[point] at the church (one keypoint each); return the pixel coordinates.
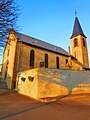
(23, 52)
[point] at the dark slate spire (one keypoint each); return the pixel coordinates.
(77, 29)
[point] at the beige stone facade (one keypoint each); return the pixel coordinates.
(80, 50)
(39, 69)
(39, 57)
(9, 59)
(79, 44)
(17, 59)
(50, 83)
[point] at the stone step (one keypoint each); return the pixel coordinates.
(3, 84)
(3, 88)
(5, 91)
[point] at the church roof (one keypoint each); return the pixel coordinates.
(41, 44)
(77, 29)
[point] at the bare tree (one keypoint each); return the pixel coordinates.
(8, 18)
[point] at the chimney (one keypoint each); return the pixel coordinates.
(69, 50)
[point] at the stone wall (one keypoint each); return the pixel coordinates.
(80, 51)
(17, 59)
(8, 60)
(24, 59)
(28, 87)
(49, 83)
(53, 82)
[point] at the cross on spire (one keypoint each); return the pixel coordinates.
(75, 13)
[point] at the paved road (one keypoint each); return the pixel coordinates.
(14, 106)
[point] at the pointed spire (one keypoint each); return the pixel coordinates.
(77, 30)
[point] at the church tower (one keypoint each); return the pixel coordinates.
(79, 44)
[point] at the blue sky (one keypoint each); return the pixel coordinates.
(53, 20)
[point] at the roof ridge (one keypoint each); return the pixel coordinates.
(40, 43)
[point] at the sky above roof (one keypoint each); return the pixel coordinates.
(53, 20)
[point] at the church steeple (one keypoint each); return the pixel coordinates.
(77, 30)
(79, 44)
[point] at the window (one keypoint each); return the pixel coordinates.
(41, 64)
(75, 42)
(46, 60)
(32, 58)
(8, 52)
(66, 61)
(84, 44)
(57, 62)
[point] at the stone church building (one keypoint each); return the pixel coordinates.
(24, 52)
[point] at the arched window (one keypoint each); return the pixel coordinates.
(46, 60)
(8, 52)
(32, 58)
(57, 62)
(75, 42)
(84, 43)
(66, 61)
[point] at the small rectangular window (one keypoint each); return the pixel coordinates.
(41, 64)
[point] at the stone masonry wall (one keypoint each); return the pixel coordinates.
(53, 82)
(24, 64)
(8, 60)
(49, 83)
(80, 51)
(22, 60)
(28, 87)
